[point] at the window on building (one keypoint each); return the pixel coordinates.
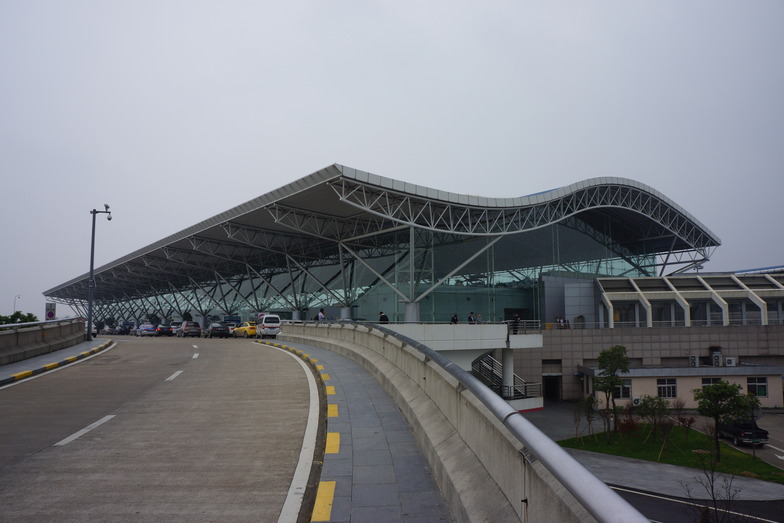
(710, 381)
(757, 386)
(624, 390)
(667, 388)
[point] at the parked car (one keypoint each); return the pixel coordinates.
(189, 328)
(232, 325)
(175, 325)
(216, 329)
(146, 329)
(743, 431)
(163, 330)
(247, 329)
(268, 326)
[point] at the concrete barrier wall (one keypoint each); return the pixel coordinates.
(476, 461)
(19, 343)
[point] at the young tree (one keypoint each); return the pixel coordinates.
(654, 410)
(612, 363)
(722, 401)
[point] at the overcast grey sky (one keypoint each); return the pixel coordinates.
(174, 111)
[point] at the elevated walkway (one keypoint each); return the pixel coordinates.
(478, 446)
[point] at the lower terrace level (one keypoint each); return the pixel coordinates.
(669, 362)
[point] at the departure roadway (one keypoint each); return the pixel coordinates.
(155, 429)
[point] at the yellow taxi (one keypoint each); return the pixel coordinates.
(247, 329)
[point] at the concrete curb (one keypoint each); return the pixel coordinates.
(19, 376)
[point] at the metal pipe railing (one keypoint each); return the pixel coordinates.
(36, 323)
(597, 498)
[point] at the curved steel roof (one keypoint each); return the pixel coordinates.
(306, 219)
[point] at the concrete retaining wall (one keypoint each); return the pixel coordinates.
(476, 461)
(19, 343)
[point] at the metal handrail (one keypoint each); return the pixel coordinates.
(34, 323)
(601, 501)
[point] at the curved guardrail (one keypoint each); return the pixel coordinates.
(597, 498)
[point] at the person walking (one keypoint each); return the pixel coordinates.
(383, 318)
(453, 321)
(321, 315)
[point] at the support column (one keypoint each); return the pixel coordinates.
(412, 312)
(507, 364)
(345, 313)
(296, 315)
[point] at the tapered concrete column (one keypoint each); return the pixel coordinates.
(507, 361)
(345, 313)
(296, 315)
(412, 312)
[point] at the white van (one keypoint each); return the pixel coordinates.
(268, 326)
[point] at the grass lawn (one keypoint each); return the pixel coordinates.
(685, 447)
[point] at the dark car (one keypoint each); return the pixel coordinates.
(163, 330)
(743, 431)
(216, 329)
(189, 328)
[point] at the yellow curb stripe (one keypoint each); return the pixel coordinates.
(332, 410)
(319, 367)
(322, 510)
(22, 375)
(325, 376)
(50, 366)
(71, 359)
(330, 390)
(333, 443)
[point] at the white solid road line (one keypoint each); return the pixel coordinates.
(196, 355)
(84, 431)
(299, 483)
(691, 503)
(170, 378)
(781, 457)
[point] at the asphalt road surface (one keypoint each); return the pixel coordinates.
(155, 429)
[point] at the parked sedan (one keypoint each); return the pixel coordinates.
(216, 329)
(163, 330)
(146, 329)
(247, 329)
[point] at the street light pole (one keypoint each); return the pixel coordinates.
(91, 280)
(19, 296)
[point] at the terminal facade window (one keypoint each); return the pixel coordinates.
(624, 390)
(757, 386)
(667, 387)
(709, 381)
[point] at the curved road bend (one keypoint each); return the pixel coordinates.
(205, 433)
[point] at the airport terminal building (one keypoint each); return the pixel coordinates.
(601, 262)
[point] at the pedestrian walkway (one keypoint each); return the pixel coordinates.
(20, 370)
(373, 468)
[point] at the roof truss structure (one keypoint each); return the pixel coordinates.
(299, 243)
